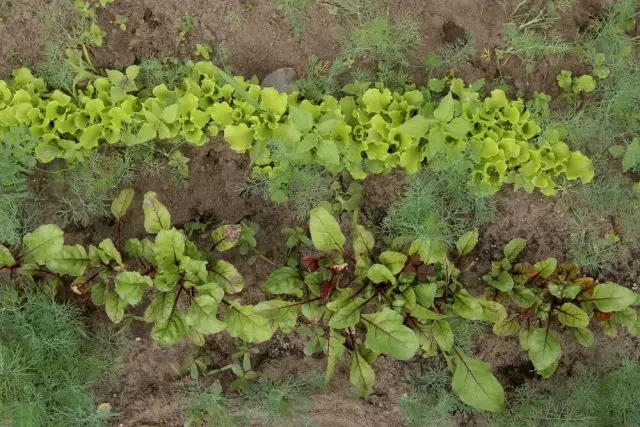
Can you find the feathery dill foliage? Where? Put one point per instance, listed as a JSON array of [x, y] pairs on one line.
[[438, 205], [208, 407], [612, 400], [89, 185], [452, 57], [54, 68], [283, 401], [607, 198], [539, 14], [17, 159], [17, 162], [591, 252], [18, 215], [532, 46], [383, 44], [48, 364], [319, 79], [531, 34], [303, 187], [612, 117], [168, 72], [294, 13], [431, 403], [467, 334]]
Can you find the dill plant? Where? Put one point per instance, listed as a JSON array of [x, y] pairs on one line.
[[168, 72], [431, 403], [302, 186], [88, 186], [383, 44], [437, 205], [588, 400], [283, 401], [612, 117], [319, 79], [293, 11], [606, 121], [49, 363], [54, 68], [531, 33], [451, 57], [208, 406], [17, 162], [532, 46]]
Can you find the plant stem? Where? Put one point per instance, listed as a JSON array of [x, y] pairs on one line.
[[264, 257]]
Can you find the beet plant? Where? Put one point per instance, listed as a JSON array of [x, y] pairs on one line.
[[547, 297], [396, 302], [185, 286], [361, 301]]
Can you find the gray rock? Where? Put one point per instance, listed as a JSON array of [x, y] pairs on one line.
[[283, 79]]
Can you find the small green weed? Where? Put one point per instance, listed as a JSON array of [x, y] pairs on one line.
[[234, 20], [122, 21], [204, 51], [187, 23]]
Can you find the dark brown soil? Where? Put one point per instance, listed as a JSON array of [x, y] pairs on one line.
[[147, 389]]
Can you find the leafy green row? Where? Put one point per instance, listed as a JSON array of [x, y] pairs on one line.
[[370, 131]]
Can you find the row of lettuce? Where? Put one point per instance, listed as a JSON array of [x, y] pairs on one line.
[[371, 130]]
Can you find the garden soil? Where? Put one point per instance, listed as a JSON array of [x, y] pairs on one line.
[[147, 390]]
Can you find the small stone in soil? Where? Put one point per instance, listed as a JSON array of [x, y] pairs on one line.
[[283, 79]]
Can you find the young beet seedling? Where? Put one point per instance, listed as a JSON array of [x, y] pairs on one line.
[[549, 295]]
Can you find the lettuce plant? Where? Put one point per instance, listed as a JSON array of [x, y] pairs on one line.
[[372, 130], [396, 302], [549, 296], [186, 287], [573, 86]]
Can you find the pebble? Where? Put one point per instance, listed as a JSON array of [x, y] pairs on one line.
[[283, 79]]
